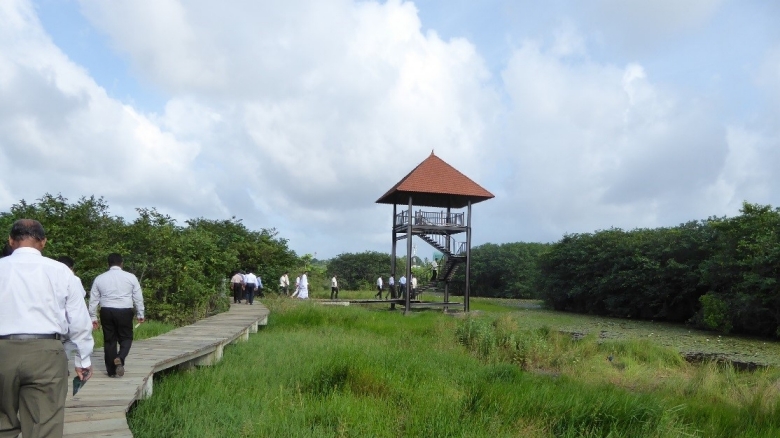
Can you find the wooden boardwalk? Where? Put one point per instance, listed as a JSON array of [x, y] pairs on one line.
[[100, 407]]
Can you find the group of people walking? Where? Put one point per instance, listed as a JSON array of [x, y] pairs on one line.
[[244, 286], [43, 315], [391, 292], [301, 285]]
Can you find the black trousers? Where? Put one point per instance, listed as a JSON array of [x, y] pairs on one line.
[[117, 329], [334, 292], [250, 293], [391, 292], [236, 292]]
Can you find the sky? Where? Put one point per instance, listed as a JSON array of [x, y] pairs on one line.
[[298, 115]]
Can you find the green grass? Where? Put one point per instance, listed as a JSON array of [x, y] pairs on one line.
[[319, 371], [148, 329]]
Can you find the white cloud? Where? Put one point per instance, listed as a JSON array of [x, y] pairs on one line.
[[308, 109], [61, 133], [599, 145], [299, 115], [637, 24]]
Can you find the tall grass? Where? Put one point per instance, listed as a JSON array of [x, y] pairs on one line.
[[320, 371]]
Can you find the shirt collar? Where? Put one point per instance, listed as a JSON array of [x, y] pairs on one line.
[[26, 249], [115, 268]]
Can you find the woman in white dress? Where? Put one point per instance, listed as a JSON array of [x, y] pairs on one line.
[[303, 288]]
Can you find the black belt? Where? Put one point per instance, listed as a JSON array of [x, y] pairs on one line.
[[27, 337]]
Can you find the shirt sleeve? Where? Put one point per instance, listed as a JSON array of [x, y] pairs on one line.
[[79, 323], [94, 300], [138, 298]]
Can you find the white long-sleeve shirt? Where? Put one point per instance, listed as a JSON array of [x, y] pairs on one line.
[[117, 289], [379, 283], [42, 296], [251, 278], [284, 281]]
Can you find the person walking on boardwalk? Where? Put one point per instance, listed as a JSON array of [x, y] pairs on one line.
[[391, 287], [379, 286], [402, 286], [334, 288], [116, 292], [41, 302], [414, 287], [237, 285], [250, 286], [284, 284], [303, 289]]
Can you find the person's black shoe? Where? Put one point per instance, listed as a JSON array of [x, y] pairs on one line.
[[120, 369]]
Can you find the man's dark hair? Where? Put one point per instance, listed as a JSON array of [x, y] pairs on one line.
[[27, 229], [7, 250], [67, 261], [114, 259]]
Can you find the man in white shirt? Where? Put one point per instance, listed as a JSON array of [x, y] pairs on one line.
[[391, 287], [334, 288], [116, 291], [414, 287], [402, 287], [284, 284], [379, 285], [41, 303], [249, 287]]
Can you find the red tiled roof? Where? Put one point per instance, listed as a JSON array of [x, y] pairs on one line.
[[434, 183]]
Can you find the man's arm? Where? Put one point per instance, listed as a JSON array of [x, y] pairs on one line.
[[79, 327], [94, 300], [138, 299]]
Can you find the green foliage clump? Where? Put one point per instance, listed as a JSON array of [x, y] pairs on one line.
[[508, 270], [359, 271], [721, 273]]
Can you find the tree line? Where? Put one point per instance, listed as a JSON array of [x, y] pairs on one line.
[[183, 269], [718, 273]]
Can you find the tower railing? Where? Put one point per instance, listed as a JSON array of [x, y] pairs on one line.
[[430, 218]]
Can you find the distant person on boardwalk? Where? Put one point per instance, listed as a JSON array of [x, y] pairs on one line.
[[379, 286], [41, 302], [402, 286], [250, 285], [334, 288], [303, 289], [434, 269], [414, 287], [116, 292], [237, 286], [284, 284], [391, 287]]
